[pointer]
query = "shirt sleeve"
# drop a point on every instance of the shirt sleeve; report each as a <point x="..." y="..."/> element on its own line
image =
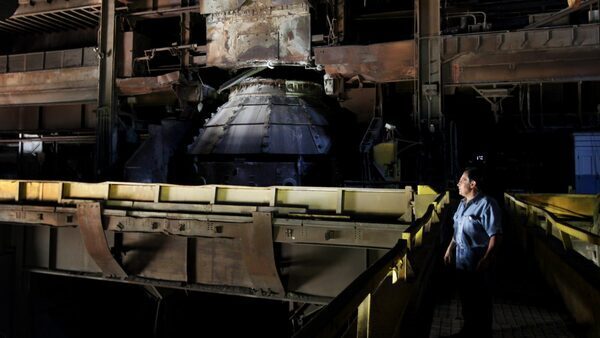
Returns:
<point x="492" y="219"/>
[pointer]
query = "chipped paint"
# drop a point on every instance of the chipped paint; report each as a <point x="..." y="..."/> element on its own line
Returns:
<point x="259" y="35"/>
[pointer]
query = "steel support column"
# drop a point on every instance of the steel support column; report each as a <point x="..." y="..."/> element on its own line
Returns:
<point x="429" y="55"/>
<point x="428" y="116"/>
<point x="106" y="137"/>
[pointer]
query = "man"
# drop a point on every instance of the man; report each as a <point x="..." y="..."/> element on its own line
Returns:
<point x="477" y="233"/>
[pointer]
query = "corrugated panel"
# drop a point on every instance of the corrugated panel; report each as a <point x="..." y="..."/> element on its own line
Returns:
<point x="90" y="58"/>
<point x="73" y="58"/>
<point x="16" y="63"/>
<point x="53" y="60"/>
<point x="53" y="21"/>
<point x="49" y="60"/>
<point x="34" y="61"/>
<point x="3" y="64"/>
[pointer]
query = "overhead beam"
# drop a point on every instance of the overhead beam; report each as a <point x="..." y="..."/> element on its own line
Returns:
<point x="559" y="54"/>
<point x="55" y="86"/>
<point x="382" y="62"/>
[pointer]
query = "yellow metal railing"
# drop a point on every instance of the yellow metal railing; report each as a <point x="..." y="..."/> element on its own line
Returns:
<point x="354" y="312"/>
<point x="382" y="202"/>
<point x="428" y="205"/>
<point x="566" y="217"/>
<point x="334" y="319"/>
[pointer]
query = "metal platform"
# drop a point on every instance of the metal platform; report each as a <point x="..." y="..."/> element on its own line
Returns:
<point x="227" y="239"/>
<point x="560" y="232"/>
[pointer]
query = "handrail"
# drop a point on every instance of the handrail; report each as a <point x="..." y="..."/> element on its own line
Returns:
<point x="332" y="321"/>
<point x="373" y="202"/>
<point x="337" y="316"/>
<point x="552" y="220"/>
<point x="414" y="234"/>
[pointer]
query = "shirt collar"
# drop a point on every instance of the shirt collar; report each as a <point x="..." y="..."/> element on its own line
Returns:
<point x="473" y="200"/>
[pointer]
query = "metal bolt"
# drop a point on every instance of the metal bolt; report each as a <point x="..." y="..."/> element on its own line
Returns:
<point x="120" y="226"/>
<point x="289" y="233"/>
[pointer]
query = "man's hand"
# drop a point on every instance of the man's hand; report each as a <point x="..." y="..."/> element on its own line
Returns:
<point x="490" y="253"/>
<point x="483" y="264"/>
<point x="449" y="253"/>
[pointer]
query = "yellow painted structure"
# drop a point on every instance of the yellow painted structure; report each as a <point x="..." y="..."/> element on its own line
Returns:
<point x="570" y="219"/>
<point x="384" y="202"/>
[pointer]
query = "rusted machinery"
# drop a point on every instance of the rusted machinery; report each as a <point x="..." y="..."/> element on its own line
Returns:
<point x="232" y="92"/>
<point x="267" y="126"/>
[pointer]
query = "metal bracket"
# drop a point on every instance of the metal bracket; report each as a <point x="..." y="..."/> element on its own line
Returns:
<point x="494" y="96"/>
<point x="258" y="253"/>
<point x="89" y="217"/>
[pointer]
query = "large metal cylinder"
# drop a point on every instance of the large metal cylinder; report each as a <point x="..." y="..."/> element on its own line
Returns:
<point x="270" y="132"/>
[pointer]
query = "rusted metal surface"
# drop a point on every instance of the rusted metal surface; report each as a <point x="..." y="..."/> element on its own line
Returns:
<point x="165" y="89"/>
<point x="215" y="6"/>
<point x="72" y="85"/>
<point x="532" y="66"/>
<point x="147" y="85"/>
<point x="258" y="254"/>
<point x="89" y="217"/>
<point x="258" y="35"/>
<point x="384" y="62"/>
<point x="155" y="256"/>
<point x="219" y="261"/>
<point x="552" y="54"/>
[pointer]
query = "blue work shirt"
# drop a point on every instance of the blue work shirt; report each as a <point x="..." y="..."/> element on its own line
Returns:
<point x="475" y="223"/>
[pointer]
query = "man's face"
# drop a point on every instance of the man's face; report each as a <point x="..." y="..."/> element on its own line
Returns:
<point x="465" y="186"/>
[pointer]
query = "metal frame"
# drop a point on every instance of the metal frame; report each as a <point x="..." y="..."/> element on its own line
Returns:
<point x="106" y="140"/>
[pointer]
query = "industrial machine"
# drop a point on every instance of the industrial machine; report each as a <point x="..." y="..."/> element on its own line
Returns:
<point x="218" y="120"/>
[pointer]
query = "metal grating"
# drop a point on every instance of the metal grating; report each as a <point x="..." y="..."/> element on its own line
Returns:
<point x="53" y="21"/>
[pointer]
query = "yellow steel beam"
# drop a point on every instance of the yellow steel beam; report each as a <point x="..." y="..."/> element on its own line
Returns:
<point x="379" y="202"/>
<point x="427" y="207"/>
<point x="313" y="215"/>
<point x="563" y="205"/>
<point x="551" y="209"/>
<point x="350" y="313"/>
